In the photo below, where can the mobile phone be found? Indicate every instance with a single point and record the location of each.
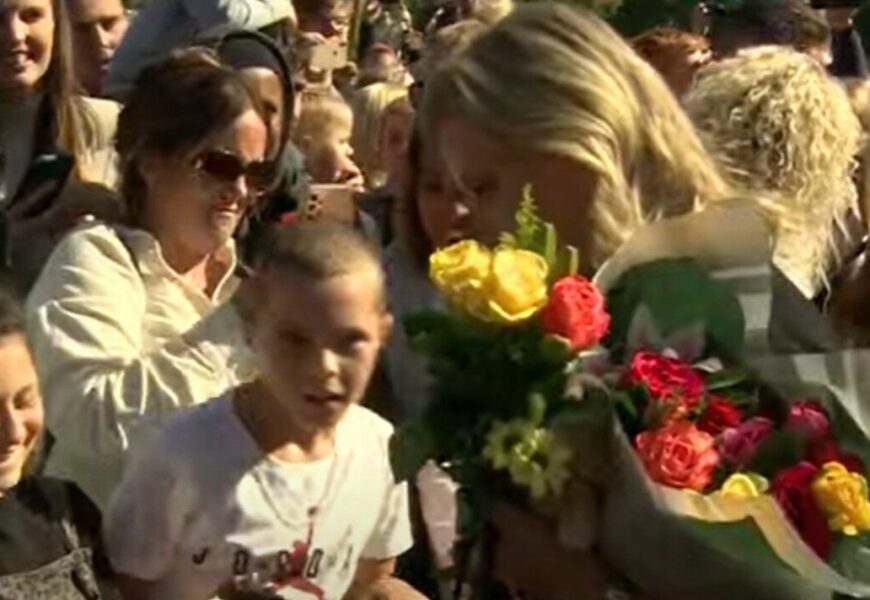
(47, 170)
(331, 202)
(329, 56)
(822, 4)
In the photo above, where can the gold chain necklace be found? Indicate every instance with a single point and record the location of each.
(244, 396)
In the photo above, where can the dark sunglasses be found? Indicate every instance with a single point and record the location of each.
(228, 167)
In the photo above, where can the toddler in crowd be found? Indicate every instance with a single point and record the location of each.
(323, 133)
(282, 487)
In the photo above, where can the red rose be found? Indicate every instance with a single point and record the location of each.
(575, 311)
(808, 418)
(792, 490)
(718, 416)
(675, 387)
(678, 455)
(825, 451)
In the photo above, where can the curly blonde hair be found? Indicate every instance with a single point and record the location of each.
(574, 88)
(781, 127)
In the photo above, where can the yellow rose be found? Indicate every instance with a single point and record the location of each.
(460, 272)
(842, 496)
(516, 287)
(744, 485)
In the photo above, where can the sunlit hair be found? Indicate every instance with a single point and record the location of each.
(77, 128)
(319, 250)
(780, 124)
(322, 112)
(369, 107)
(490, 12)
(445, 44)
(572, 87)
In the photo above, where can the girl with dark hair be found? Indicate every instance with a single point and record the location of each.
(56, 159)
(130, 322)
(49, 530)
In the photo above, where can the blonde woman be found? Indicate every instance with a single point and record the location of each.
(578, 115)
(781, 126)
(369, 106)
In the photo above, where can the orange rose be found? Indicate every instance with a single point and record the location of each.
(678, 455)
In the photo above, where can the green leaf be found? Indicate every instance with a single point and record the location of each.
(779, 450)
(726, 379)
(410, 447)
(744, 541)
(567, 263)
(850, 556)
(679, 294)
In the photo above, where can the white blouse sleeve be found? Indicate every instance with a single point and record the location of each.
(85, 323)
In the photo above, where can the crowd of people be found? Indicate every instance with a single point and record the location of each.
(217, 213)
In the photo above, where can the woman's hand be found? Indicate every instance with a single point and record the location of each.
(529, 558)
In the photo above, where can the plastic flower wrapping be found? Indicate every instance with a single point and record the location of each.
(537, 378)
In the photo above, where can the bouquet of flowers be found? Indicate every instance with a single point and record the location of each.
(540, 391)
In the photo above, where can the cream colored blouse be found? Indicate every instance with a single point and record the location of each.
(121, 344)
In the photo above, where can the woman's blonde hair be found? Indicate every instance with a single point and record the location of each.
(571, 87)
(322, 111)
(369, 106)
(781, 126)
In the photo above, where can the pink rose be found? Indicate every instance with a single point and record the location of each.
(678, 455)
(739, 444)
(808, 418)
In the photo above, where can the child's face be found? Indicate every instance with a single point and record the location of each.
(393, 145)
(318, 342)
(21, 415)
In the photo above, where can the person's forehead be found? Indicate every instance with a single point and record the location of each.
(88, 10)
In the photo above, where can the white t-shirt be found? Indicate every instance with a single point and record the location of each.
(204, 508)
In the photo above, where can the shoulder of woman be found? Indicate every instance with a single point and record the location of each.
(729, 236)
(94, 251)
(98, 159)
(105, 115)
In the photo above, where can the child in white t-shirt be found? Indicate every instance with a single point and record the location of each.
(282, 487)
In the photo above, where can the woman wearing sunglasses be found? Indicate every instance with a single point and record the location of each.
(130, 322)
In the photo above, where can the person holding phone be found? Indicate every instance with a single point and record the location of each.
(56, 159)
(130, 321)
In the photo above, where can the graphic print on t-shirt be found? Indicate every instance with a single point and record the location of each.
(286, 573)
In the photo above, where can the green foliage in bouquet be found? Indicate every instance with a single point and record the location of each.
(674, 296)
